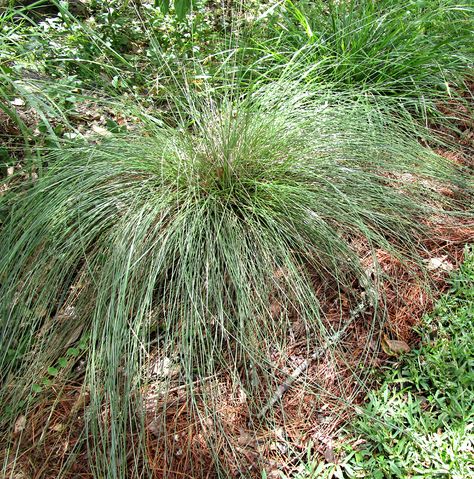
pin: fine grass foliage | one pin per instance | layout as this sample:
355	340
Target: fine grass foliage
415	52
174	242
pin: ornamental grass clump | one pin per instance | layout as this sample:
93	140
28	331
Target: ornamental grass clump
415	52
177	261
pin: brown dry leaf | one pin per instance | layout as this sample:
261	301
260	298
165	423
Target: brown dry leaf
394	347
59	427
100	130
440	263
153	428
245	439
329	453
17	102
274	474
20	424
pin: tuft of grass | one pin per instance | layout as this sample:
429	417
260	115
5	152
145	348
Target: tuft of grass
420	422
415	52
175	243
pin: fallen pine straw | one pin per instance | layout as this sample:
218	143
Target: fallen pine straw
332	341
281	448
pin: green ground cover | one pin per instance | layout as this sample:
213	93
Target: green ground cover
419	422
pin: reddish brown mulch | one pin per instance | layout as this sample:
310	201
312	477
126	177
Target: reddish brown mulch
180	433
50	435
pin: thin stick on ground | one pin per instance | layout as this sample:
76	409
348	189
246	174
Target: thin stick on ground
331	341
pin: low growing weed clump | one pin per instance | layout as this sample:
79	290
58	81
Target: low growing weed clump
199	246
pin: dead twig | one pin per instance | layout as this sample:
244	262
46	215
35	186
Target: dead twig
334	339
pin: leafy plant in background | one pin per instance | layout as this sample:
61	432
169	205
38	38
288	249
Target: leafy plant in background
174	243
181	7
53	62
19	92
118	47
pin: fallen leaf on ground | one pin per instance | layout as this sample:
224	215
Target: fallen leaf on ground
329	453
20	424
394	346
17	102
100	131
440	263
